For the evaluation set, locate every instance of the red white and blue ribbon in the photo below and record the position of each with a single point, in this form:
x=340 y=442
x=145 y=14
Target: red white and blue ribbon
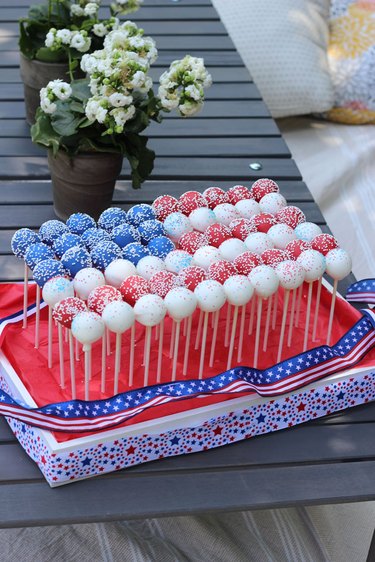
x=362 y=291
x=306 y=368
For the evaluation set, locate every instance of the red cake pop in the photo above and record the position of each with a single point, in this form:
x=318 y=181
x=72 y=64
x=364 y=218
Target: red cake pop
x=162 y=282
x=241 y=228
x=191 y=200
x=191 y=276
x=191 y=241
x=215 y=196
x=295 y=247
x=274 y=256
x=164 y=206
x=101 y=296
x=133 y=288
x=323 y=243
x=263 y=222
x=238 y=193
x=261 y=187
x=246 y=262
x=221 y=271
x=217 y=233
x=290 y=215
x=67 y=309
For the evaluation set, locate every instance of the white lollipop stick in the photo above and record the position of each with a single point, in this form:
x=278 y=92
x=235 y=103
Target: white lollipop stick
x=274 y=314
x=199 y=330
x=172 y=339
x=104 y=362
x=300 y=292
x=232 y=337
x=25 y=294
x=76 y=347
x=156 y=333
x=227 y=326
x=37 y=316
x=117 y=362
x=291 y=320
x=268 y=322
x=147 y=354
x=131 y=359
x=257 y=332
x=317 y=305
x=72 y=369
x=242 y=329
x=50 y=325
x=283 y=323
x=331 y=312
x=175 y=352
x=203 y=348
x=308 y=314
x=214 y=337
x=185 y=327
x=87 y=350
x=252 y=314
x=108 y=341
x=187 y=345
x=66 y=335
x=160 y=351
x=61 y=355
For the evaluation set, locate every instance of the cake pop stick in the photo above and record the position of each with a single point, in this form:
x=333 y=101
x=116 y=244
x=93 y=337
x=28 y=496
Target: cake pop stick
x=50 y=335
x=175 y=352
x=160 y=351
x=308 y=312
x=242 y=328
x=291 y=321
x=187 y=346
x=257 y=331
x=199 y=330
x=274 y=312
x=267 y=327
x=214 y=337
x=251 y=319
x=227 y=325
x=61 y=355
x=283 y=323
x=25 y=294
x=108 y=342
x=203 y=346
x=317 y=305
x=131 y=357
x=339 y=265
x=147 y=354
x=173 y=333
x=37 y=317
x=232 y=337
x=71 y=364
x=299 y=301
x=104 y=362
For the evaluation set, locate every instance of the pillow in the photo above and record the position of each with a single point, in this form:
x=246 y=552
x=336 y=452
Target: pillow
x=351 y=55
x=283 y=43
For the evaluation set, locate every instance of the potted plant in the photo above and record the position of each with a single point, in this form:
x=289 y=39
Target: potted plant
x=89 y=125
x=53 y=38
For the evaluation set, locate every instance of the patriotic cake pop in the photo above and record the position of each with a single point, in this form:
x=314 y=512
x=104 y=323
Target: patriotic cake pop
x=232 y=248
x=313 y=263
x=274 y=256
x=191 y=241
x=238 y=291
x=112 y=217
x=202 y=218
x=247 y=208
x=101 y=296
x=133 y=288
x=216 y=234
x=246 y=262
x=104 y=253
x=92 y=236
x=164 y=206
x=125 y=234
x=180 y=303
x=263 y=222
x=140 y=213
x=87 y=328
x=264 y=280
x=36 y=253
x=162 y=282
x=86 y=280
x=241 y=228
x=215 y=196
x=51 y=230
x=210 y=295
x=22 y=239
x=296 y=247
x=281 y=235
x=221 y=271
x=176 y=224
x=178 y=260
x=67 y=309
x=272 y=203
x=290 y=215
x=191 y=200
x=261 y=187
x=79 y=222
x=160 y=246
x=46 y=269
x=65 y=242
x=75 y=259
x=117 y=271
x=150 y=229
x=339 y=265
x=226 y=213
x=57 y=289
x=207 y=255
x=258 y=242
x=323 y=243
x=238 y=193
x=147 y=266
x=191 y=277
x=134 y=252
x=307 y=231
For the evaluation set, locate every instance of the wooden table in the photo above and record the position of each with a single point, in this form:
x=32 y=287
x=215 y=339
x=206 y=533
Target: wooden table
x=327 y=461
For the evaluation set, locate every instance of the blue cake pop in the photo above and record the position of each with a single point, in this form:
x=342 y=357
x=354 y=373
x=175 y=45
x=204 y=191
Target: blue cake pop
x=150 y=229
x=51 y=230
x=111 y=217
x=75 y=259
x=79 y=222
x=36 y=253
x=46 y=269
x=105 y=253
x=67 y=241
x=140 y=213
x=125 y=234
x=160 y=246
x=134 y=252
x=21 y=240
x=92 y=236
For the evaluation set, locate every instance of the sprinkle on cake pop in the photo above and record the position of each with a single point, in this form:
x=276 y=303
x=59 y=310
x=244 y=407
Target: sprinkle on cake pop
x=164 y=206
x=247 y=208
x=147 y=266
x=46 y=269
x=295 y=247
x=66 y=310
x=104 y=253
x=162 y=282
x=191 y=277
x=86 y=280
x=87 y=328
x=177 y=224
x=263 y=222
x=117 y=271
x=258 y=242
x=290 y=215
x=65 y=242
x=57 y=289
x=177 y=260
x=22 y=239
x=125 y=234
x=241 y=228
x=207 y=255
x=160 y=246
x=221 y=271
x=101 y=296
x=217 y=233
x=307 y=231
x=140 y=213
x=281 y=235
x=202 y=218
x=238 y=193
x=323 y=243
x=150 y=229
x=274 y=256
x=238 y=290
x=112 y=217
x=92 y=236
x=232 y=248
x=134 y=252
x=261 y=187
x=133 y=288
x=226 y=213
x=75 y=259
x=338 y=263
x=246 y=262
x=79 y=222
x=210 y=295
x=150 y=310
x=180 y=303
x=191 y=200
x=215 y=196
x=36 y=253
x=290 y=273
x=313 y=263
x=51 y=230
x=264 y=280
x=272 y=203
x=191 y=241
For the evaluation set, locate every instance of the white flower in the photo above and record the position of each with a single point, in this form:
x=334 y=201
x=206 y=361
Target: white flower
x=122 y=115
x=91 y=109
x=90 y=9
x=80 y=42
x=60 y=89
x=88 y=64
x=193 y=92
x=138 y=79
x=101 y=114
x=146 y=86
x=50 y=39
x=189 y=108
x=170 y=104
x=119 y=100
x=100 y=29
x=64 y=35
x=76 y=10
x=47 y=106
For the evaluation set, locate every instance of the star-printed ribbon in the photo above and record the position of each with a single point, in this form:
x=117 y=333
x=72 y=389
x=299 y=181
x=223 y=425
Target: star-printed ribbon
x=362 y=291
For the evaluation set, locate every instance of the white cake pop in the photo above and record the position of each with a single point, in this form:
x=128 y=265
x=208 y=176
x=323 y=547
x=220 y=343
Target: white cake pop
x=313 y=264
x=272 y=203
x=86 y=280
x=238 y=290
x=247 y=208
x=57 y=289
x=201 y=218
x=180 y=303
x=118 y=316
x=338 y=263
x=264 y=280
x=149 y=265
x=207 y=255
x=210 y=295
x=258 y=242
x=177 y=260
x=118 y=271
x=290 y=273
x=226 y=213
x=281 y=235
x=307 y=231
x=232 y=248
x=87 y=328
x=176 y=224
x=150 y=310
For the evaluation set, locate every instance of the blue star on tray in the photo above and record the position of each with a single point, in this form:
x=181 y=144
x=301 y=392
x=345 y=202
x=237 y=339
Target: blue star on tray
x=86 y=461
x=261 y=418
x=175 y=440
x=340 y=395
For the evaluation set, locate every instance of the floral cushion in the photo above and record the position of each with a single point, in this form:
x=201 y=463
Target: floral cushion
x=351 y=55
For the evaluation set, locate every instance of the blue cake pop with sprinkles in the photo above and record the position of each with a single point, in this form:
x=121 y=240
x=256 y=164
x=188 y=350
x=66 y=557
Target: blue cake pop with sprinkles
x=22 y=239
x=125 y=234
x=65 y=242
x=79 y=222
x=134 y=252
x=46 y=269
x=51 y=230
x=75 y=259
x=140 y=213
x=105 y=253
x=160 y=246
x=111 y=217
x=92 y=236
x=36 y=253
x=150 y=229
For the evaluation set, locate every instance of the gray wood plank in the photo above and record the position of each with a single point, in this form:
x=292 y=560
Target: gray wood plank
x=191 y=3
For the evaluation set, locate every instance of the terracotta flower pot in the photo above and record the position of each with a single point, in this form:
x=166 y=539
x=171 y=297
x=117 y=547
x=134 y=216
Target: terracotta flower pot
x=83 y=183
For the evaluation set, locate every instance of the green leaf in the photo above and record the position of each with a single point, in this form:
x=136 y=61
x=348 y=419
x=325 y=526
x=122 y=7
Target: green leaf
x=46 y=55
x=24 y=42
x=64 y=121
x=81 y=90
x=141 y=158
x=42 y=132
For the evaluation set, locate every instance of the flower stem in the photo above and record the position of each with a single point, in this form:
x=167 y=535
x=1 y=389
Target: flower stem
x=70 y=65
